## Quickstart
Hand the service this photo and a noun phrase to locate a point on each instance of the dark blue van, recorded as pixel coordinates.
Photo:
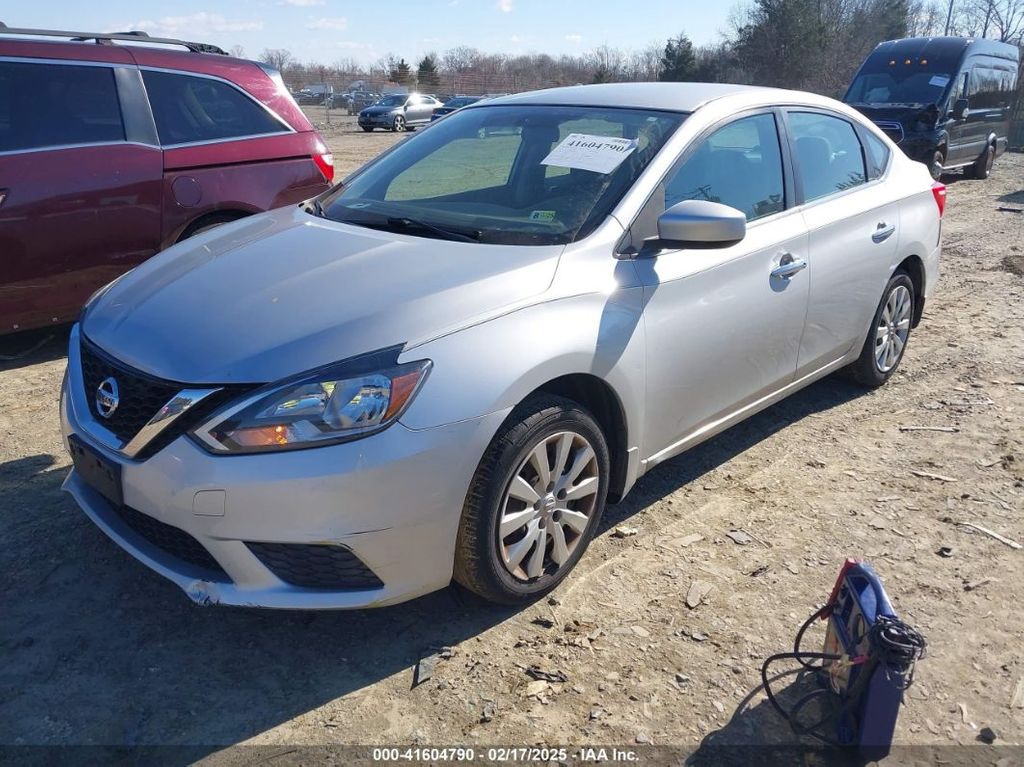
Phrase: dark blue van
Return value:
(945, 100)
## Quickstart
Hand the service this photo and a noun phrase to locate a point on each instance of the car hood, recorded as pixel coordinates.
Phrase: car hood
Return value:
(283, 292)
(905, 114)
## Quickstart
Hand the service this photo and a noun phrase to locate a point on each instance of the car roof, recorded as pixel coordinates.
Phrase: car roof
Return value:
(947, 46)
(674, 97)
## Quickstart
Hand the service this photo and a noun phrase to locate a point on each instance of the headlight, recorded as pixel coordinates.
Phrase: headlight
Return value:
(330, 405)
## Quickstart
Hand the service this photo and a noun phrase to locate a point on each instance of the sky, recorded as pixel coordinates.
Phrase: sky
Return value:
(328, 30)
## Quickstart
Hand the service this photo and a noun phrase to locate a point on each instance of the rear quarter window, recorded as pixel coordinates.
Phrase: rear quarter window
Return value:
(192, 110)
(51, 105)
(877, 154)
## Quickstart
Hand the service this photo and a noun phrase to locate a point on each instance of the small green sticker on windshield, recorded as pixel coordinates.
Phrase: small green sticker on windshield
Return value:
(542, 215)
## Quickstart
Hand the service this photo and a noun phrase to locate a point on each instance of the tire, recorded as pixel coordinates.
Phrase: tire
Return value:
(875, 366)
(509, 570)
(208, 223)
(935, 166)
(982, 167)
(367, 128)
(398, 126)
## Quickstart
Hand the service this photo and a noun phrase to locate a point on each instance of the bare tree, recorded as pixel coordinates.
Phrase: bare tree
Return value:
(279, 58)
(237, 51)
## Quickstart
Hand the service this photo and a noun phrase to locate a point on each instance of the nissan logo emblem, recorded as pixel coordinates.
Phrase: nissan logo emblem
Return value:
(107, 398)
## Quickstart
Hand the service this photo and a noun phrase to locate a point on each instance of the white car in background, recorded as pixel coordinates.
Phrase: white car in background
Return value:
(445, 367)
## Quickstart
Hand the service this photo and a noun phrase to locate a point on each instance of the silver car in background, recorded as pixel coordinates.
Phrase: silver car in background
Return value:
(446, 366)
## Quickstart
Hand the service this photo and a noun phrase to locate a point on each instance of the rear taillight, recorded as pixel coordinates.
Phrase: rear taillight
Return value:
(939, 191)
(325, 162)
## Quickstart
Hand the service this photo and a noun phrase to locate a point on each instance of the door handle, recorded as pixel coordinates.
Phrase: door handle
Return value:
(788, 266)
(883, 232)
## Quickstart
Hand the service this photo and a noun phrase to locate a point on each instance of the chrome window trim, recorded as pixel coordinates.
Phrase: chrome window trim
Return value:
(66, 62)
(186, 73)
(185, 144)
(88, 145)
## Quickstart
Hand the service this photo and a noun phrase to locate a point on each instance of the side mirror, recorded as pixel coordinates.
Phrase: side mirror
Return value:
(961, 107)
(701, 224)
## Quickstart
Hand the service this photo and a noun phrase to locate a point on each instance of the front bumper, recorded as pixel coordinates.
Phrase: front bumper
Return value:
(377, 121)
(393, 499)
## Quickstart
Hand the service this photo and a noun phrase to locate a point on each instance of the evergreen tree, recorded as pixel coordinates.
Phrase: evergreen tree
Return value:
(426, 73)
(401, 73)
(678, 62)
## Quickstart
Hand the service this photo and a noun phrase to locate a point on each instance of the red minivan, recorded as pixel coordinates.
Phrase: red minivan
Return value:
(112, 152)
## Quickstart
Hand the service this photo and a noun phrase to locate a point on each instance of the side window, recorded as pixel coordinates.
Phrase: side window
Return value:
(828, 153)
(878, 154)
(191, 109)
(739, 165)
(47, 105)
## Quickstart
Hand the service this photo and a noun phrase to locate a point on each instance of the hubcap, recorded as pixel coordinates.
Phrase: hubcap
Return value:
(547, 506)
(893, 329)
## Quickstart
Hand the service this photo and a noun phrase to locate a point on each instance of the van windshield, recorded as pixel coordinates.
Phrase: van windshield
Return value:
(523, 175)
(899, 80)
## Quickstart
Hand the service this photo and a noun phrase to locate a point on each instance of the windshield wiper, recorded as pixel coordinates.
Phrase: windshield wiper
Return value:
(316, 208)
(403, 222)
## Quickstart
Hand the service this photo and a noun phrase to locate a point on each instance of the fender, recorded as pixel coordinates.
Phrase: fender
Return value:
(492, 366)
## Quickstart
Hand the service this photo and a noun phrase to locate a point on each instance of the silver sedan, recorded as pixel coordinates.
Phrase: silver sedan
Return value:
(446, 366)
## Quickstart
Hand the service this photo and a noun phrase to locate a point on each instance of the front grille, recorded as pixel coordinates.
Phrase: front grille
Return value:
(316, 566)
(892, 130)
(140, 396)
(173, 541)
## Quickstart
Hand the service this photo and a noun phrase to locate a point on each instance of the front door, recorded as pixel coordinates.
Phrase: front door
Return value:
(723, 326)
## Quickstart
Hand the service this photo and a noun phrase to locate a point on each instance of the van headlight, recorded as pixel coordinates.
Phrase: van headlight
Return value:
(324, 407)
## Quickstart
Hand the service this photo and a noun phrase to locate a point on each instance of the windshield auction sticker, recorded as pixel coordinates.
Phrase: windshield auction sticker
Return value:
(599, 154)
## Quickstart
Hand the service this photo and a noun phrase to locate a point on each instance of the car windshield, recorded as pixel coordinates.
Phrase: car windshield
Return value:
(901, 81)
(536, 175)
(392, 101)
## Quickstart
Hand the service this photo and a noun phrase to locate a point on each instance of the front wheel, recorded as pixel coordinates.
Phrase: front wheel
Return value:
(367, 129)
(399, 124)
(982, 167)
(887, 339)
(534, 503)
(935, 166)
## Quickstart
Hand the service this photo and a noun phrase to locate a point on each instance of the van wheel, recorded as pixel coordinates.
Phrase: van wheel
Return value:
(982, 167)
(534, 503)
(935, 166)
(887, 339)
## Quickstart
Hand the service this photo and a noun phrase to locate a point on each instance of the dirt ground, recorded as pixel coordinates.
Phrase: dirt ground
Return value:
(99, 650)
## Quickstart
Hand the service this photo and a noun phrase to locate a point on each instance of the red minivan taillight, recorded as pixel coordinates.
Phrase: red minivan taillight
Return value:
(939, 191)
(325, 162)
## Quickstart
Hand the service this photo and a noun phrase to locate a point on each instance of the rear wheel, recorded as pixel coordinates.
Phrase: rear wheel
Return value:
(534, 503)
(982, 167)
(887, 339)
(209, 222)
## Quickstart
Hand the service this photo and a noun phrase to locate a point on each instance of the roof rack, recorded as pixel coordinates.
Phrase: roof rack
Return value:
(106, 38)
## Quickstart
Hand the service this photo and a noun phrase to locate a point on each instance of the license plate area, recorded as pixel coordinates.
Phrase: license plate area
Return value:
(100, 473)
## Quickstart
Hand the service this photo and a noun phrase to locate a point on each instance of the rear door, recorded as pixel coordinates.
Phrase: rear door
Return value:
(853, 225)
(81, 202)
(225, 151)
